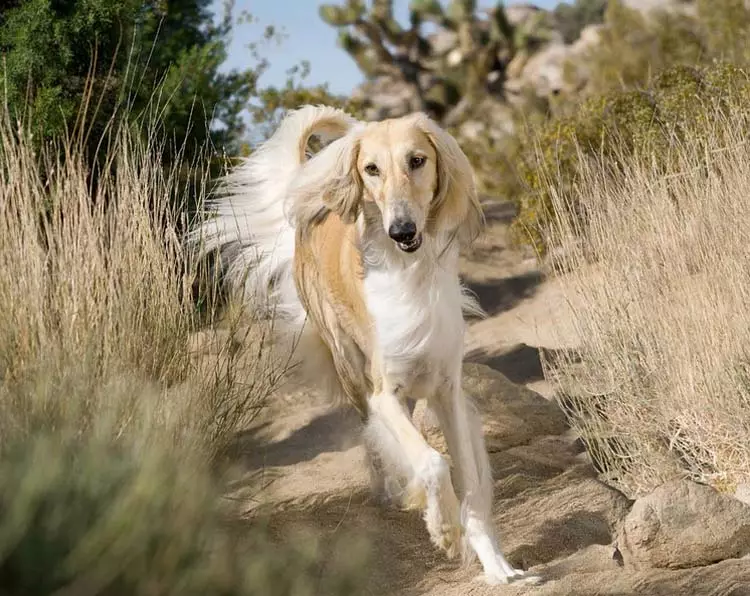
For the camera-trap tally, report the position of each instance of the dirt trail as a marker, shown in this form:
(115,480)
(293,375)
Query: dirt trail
(552,513)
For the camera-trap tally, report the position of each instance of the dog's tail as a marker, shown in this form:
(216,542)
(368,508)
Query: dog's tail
(250,226)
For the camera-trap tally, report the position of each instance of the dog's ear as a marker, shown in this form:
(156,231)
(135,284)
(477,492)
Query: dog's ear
(343,194)
(455,206)
(328,182)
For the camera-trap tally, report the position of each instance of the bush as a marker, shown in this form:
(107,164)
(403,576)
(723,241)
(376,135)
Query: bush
(96,287)
(100,60)
(634,46)
(112,519)
(679,105)
(645,82)
(658,383)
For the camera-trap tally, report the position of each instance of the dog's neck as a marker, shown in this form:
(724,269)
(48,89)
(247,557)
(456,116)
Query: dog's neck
(438,251)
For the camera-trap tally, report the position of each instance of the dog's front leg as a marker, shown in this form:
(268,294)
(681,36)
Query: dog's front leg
(462,427)
(404,450)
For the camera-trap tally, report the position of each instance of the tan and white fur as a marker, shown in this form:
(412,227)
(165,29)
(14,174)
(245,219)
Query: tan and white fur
(356,249)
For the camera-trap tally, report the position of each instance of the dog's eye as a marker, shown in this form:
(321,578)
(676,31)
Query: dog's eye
(371,169)
(416,162)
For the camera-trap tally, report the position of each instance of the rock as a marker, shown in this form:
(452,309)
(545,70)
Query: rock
(519,14)
(387,98)
(684,524)
(513,414)
(442,41)
(556,516)
(742,493)
(496,123)
(647,6)
(543,71)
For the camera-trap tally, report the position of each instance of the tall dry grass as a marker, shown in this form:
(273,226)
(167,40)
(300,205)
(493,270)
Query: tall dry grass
(111,418)
(96,293)
(657,279)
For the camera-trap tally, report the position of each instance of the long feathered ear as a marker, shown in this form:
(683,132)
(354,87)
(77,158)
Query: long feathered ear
(343,195)
(455,206)
(329,182)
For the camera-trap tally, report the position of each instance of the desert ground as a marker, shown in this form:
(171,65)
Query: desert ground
(555,517)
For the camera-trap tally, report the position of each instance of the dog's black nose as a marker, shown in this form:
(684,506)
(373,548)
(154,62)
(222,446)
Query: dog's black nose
(402,231)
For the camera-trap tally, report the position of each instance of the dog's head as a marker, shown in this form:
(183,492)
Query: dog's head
(414,172)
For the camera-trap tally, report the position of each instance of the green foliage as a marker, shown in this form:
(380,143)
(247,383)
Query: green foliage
(66,63)
(571,19)
(636,46)
(653,80)
(726,25)
(678,106)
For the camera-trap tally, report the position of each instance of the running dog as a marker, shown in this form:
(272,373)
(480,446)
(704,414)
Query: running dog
(356,249)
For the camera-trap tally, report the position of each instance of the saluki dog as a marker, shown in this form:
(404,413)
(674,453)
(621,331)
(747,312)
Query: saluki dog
(356,248)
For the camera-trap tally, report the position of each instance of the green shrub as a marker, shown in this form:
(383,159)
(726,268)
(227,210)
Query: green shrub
(726,29)
(652,78)
(680,104)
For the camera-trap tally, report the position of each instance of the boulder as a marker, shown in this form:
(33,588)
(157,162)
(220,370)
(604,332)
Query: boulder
(442,41)
(557,516)
(543,71)
(387,98)
(647,6)
(496,122)
(684,524)
(518,14)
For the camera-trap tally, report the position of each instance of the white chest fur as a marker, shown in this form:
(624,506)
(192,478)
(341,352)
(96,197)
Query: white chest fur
(416,311)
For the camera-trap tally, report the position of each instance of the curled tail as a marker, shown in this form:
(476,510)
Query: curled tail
(250,226)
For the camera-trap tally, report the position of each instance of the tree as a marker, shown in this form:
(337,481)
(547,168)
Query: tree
(74,65)
(450,84)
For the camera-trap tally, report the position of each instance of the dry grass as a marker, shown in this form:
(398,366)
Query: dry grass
(96,290)
(659,286)
(111,418)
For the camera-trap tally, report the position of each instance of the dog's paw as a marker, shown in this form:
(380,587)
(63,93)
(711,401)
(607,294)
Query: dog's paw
(449,540)
(516,577)
(414,496)
(443,521)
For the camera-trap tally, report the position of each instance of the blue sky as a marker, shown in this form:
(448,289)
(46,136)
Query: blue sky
(307,38)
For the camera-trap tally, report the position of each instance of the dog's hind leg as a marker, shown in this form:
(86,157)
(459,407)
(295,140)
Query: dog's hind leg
(406,454)
(462,428)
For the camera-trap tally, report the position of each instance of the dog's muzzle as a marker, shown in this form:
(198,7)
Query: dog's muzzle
(404,234)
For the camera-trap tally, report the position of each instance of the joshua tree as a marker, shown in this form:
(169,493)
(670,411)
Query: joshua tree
(449,79)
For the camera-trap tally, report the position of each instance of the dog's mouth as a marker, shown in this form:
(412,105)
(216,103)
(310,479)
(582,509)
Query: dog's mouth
(412,245)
